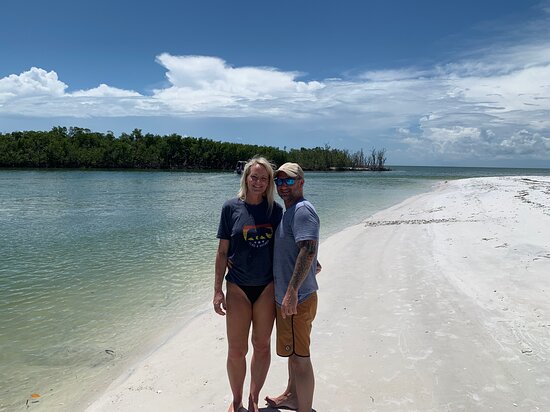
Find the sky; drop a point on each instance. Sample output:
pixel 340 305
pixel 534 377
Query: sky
pixel 436 83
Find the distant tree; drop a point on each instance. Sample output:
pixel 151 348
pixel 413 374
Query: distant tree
pixel 380 159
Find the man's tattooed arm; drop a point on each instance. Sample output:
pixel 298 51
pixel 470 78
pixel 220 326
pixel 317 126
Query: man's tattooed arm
pixel 308 249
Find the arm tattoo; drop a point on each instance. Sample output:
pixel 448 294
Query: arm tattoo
pixel 308 248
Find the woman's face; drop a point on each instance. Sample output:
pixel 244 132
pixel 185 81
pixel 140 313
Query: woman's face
pixel 257 180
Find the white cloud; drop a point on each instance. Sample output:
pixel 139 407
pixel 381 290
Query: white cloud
pixel 485 109
pixel 34 82
pixel 105 91
pixel 207 85
pixel 38 93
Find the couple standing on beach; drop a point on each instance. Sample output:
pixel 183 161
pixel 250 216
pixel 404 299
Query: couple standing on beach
pixel 271 263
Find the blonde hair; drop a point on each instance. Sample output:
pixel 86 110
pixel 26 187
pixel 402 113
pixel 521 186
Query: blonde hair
pixel 262 161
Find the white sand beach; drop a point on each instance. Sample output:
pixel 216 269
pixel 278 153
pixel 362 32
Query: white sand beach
pixel 440 303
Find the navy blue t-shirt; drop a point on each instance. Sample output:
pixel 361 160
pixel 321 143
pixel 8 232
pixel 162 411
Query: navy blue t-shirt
pixel 251 232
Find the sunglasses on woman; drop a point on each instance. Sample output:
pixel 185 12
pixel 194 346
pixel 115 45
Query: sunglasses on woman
pixel 289 181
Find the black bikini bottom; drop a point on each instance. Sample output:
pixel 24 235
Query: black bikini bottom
pixel 252 292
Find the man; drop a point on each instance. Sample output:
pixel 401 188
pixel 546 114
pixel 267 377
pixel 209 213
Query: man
pixel 294 270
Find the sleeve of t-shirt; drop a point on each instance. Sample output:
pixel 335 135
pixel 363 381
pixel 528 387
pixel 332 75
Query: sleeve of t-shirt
pixel 225 227
pixel 305 225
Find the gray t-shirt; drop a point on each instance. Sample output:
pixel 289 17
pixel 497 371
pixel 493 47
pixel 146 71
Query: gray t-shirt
pixel 300 222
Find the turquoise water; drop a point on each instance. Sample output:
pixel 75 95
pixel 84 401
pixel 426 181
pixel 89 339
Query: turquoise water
pixel 97 267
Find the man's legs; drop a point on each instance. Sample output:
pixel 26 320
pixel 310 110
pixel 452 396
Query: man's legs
pixel 263 316
pixel 293 340
pixel 301 384
pixel 288 398
pixel 302 372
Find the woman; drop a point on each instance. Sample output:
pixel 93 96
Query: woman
pixel 246 232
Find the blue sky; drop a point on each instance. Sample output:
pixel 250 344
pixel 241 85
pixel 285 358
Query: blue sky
pixel 463 83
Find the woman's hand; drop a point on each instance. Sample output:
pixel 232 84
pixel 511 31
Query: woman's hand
pixel 318 268
pixel 219 303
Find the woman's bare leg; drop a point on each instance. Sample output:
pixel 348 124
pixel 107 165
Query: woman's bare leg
pixel 263 316
pixel 238 320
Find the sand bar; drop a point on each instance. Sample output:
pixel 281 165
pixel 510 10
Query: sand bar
pixel 440 303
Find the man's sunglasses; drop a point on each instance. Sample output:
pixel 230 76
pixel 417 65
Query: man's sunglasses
pixel 289 181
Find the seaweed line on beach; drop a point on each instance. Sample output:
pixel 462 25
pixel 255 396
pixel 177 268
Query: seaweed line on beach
pixel 414 222
pixel 535 185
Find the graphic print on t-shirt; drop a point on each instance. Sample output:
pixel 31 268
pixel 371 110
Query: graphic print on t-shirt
pixel 258 235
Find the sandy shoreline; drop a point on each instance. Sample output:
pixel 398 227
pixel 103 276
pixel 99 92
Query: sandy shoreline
pixel 439 303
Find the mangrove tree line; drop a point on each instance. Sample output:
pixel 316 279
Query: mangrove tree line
pixel 77 147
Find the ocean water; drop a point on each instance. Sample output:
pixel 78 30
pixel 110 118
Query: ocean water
pixel 99 267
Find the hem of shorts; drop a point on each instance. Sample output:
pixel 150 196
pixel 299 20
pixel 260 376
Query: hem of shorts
pixel 293 353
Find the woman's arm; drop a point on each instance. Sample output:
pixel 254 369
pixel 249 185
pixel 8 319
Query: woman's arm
pixel 220 267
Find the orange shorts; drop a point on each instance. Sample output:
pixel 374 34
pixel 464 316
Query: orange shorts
pixel 293 333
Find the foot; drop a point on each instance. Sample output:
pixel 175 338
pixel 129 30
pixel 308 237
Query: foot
pixel 253 405
pixel 286 400
pixel 239 408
